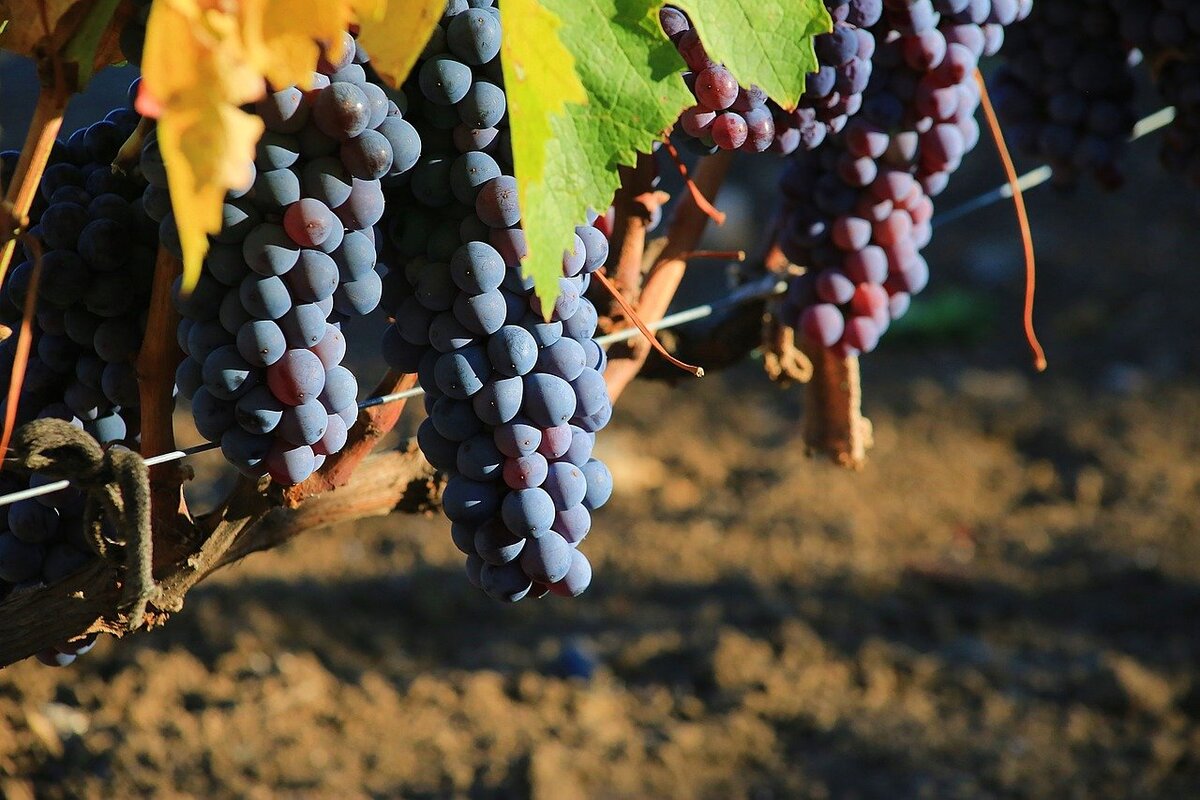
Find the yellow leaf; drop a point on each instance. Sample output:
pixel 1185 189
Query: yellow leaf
pixel 540 79
pixel 281 36
pixel 195 69
pixel 204 59
pixel 395 32
pixel 206 148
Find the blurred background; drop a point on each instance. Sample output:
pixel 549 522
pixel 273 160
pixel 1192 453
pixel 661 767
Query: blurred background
pixel 1003 604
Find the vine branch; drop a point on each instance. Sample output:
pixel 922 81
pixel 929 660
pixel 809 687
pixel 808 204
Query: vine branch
pixel 833 422
pixel 174 531
pixel 35 154
pixel 687 226
pixel 33 620
pixel 371 426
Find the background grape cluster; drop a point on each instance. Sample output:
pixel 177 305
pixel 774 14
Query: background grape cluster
pixel 514 400
pixel 858 211
pixel 1067 89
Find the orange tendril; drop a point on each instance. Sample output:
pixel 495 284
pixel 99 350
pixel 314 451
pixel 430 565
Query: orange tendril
pixel 641 326
pixel 1039 355
pixel 701 201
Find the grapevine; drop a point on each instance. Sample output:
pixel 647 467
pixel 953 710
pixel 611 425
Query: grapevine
pixel 208 245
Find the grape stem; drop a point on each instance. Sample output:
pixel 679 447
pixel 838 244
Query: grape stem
pixel 372 425
pixel 131 151
pixel 174 531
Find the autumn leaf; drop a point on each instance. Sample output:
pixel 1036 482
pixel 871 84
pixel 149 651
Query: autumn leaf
pixel 82 33
pixel 203 61
pixel 34 24
pixel 195 75
pixel 395 32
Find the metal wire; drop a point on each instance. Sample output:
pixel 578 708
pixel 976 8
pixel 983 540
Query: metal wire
pixel 1036 177
pixel 765 287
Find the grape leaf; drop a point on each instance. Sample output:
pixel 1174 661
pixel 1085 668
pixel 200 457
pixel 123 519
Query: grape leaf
pixel 82 32
pixel 195 74
pixel 566 162
pixel 86 44
pixel 766 42
pixel 33 24
pixel 202 61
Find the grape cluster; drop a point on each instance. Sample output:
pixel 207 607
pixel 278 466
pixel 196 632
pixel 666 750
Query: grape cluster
pixel 730 117
pixel 295 257
pixel 1066 90
pixel 96 246
pixel 858 211
pixel 97 250
pixel 1167 34
pixel 832 94
pixel 514 401
pixel 726 115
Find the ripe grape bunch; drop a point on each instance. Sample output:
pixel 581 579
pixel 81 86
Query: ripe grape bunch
pixel 296 256
pixel 858 212
pixel 730 117
pixel 96 247
pixel 514 401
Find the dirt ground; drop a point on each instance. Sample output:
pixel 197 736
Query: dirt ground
pixel 1004 604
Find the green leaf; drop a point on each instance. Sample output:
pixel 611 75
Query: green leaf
pixel 540 79
pixel 631 74
pixel 765 42
pixel 85 43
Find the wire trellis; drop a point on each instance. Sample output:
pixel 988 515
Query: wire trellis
pixel 768 286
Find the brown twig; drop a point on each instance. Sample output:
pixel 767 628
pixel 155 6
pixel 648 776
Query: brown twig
pixel 33 620
pixel 685 231
pixel 372 425
pixel 714 255
pixel 156 364
pixel 632 315
pixel 699 196
pixel 1010 170
pixel 630 225
pixel 833 420
pixel 35 153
